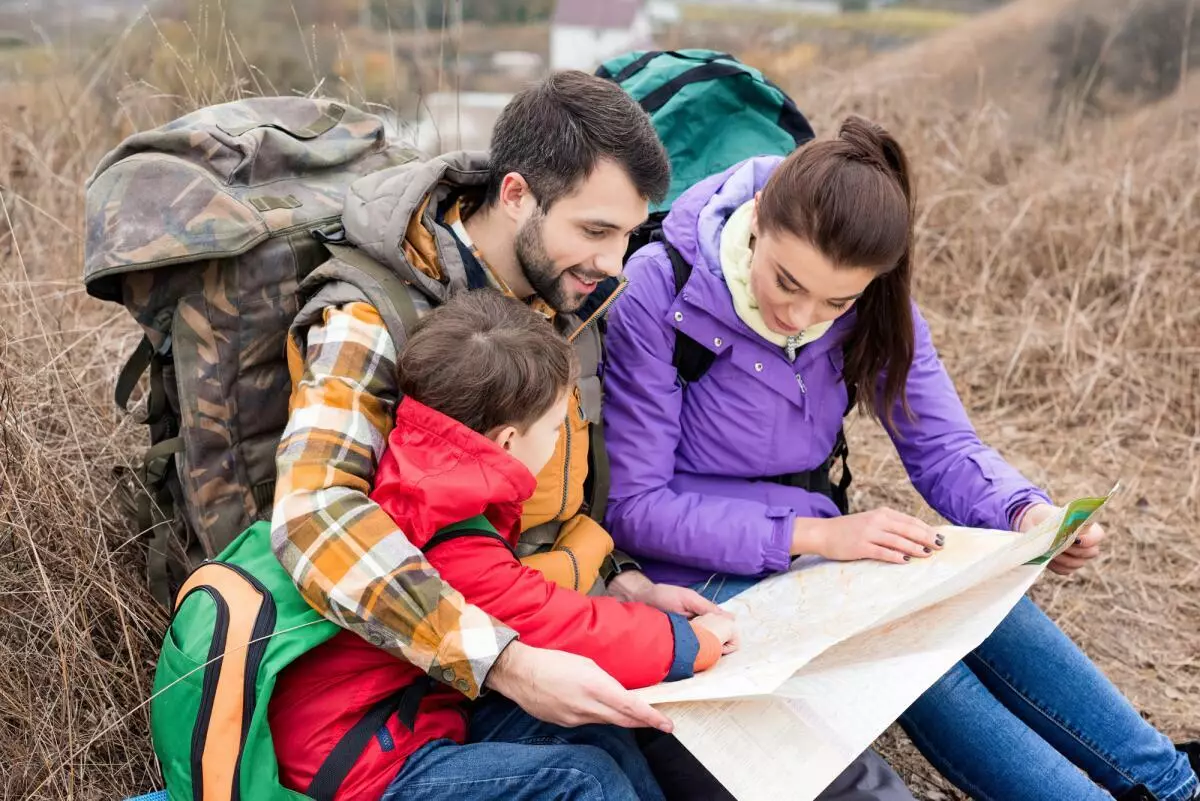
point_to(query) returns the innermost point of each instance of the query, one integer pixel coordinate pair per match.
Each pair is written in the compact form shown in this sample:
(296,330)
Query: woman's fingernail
(940,541)
(907,558)
(928,549)
(1078,541)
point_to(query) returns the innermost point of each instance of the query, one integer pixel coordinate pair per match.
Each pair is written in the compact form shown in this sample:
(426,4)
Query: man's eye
(594,233)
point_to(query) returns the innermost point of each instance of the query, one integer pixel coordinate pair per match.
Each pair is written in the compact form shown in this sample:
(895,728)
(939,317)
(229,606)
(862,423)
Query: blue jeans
(511,756)
(1027,715)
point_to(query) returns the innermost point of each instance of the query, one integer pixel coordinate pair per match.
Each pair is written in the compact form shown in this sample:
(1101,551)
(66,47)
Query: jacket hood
(390,215)
(698,217)
(694,227)
(438,472)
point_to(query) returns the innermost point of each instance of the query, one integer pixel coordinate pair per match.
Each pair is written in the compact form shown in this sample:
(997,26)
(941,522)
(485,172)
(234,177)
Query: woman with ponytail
(799,287)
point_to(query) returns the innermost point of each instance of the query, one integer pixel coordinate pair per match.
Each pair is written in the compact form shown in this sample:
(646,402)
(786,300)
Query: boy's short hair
(487,361)
(554,132)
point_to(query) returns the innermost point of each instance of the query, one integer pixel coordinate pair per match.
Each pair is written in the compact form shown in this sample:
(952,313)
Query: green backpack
(238,622)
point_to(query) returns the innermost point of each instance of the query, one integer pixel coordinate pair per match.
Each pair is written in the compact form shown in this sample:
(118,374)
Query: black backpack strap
(691,359)
(341,760)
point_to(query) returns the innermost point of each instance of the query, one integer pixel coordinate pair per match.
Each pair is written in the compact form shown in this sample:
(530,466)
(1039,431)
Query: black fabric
(680,775)
(476,275)
(709,71)
(691,359)
(792,120)
(337,766)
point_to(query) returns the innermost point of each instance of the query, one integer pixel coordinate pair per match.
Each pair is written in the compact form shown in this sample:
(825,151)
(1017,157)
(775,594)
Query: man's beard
(538,268)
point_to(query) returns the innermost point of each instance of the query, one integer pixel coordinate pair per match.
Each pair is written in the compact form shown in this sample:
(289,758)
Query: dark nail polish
(1078,542)
(940,540)
(907,558)
(928,549)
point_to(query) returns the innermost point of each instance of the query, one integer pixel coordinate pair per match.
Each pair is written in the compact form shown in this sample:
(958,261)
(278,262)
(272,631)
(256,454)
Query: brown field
(1060,277)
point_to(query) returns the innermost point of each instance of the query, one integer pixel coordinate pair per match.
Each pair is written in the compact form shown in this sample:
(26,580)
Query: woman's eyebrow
(790,278)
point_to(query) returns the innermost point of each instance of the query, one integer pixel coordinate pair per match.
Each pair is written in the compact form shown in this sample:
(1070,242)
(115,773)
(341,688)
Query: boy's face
(566,250)
(534,447)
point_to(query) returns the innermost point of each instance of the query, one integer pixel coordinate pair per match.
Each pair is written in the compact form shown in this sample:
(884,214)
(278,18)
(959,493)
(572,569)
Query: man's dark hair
(487,360)
(555,132)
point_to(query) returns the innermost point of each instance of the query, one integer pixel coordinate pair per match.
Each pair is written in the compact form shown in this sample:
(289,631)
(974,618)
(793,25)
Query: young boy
(486,383)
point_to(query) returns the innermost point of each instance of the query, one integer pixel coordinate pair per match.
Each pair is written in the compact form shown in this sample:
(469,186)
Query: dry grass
(1060,280)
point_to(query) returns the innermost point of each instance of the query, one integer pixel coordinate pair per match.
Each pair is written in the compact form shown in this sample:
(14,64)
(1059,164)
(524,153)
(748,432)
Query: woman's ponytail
(852,199)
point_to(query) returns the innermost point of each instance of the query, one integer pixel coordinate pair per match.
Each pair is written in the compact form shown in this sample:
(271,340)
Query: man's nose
(611,260)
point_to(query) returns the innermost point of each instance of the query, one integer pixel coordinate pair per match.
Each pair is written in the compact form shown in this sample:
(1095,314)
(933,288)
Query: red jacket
(436,473)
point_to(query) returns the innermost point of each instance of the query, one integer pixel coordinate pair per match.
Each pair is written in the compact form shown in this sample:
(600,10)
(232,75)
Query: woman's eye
(839,306)
(788,289)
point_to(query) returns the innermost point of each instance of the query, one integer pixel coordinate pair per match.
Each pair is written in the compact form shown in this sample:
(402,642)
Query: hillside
(1058,273)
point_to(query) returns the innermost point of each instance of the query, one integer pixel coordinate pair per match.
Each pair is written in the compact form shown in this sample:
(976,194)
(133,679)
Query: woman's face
(797,287)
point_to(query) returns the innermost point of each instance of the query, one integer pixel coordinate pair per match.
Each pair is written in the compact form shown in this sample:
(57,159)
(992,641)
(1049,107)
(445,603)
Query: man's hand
(1086,546)
(632,585)
(569,690)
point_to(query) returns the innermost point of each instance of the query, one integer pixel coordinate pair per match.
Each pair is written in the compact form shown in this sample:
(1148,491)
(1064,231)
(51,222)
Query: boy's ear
(503,436)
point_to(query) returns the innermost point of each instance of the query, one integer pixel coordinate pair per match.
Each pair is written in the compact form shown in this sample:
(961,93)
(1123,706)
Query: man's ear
(515,196)
(503,436)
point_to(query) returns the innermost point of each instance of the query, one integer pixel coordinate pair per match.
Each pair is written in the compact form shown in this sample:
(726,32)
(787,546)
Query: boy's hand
(569,690)
(632,585)
(723,628)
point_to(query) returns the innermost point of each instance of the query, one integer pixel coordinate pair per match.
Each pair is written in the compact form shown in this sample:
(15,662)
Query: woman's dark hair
(487,360)
(851,198)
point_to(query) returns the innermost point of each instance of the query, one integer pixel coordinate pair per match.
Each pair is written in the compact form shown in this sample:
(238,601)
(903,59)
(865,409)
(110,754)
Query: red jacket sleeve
(636,644)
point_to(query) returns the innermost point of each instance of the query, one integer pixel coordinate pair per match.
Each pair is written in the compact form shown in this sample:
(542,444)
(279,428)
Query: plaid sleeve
(345,554)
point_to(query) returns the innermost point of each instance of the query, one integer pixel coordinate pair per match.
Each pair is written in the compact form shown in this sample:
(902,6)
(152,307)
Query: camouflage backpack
(204,230)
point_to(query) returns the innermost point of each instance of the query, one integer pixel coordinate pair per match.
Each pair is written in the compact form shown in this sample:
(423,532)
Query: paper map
(832,653)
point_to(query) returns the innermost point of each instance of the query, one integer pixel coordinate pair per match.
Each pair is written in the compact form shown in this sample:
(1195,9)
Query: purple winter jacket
(684,497)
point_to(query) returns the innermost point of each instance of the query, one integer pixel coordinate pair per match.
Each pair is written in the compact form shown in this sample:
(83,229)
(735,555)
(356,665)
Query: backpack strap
(691,359)
(639,63)
(403,703)
(478,526)
(387,291)
(245,617)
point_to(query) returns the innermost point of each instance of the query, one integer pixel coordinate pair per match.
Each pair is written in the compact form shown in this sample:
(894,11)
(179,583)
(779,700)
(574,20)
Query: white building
(587,32)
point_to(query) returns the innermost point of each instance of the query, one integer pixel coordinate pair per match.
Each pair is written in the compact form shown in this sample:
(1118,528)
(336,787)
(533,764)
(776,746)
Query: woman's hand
(1087,540)
(883,534)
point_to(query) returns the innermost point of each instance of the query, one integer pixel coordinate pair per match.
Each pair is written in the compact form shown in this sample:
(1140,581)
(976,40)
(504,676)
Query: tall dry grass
(1060,279)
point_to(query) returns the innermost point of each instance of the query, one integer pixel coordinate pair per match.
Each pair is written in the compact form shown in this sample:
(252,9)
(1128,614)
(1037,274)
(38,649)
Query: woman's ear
(503,436)
(754,215)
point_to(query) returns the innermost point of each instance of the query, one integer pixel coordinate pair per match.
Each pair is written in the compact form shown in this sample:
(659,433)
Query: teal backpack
(710,110)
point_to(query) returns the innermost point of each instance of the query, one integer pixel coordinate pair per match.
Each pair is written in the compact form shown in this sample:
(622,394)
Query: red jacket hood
(437,472)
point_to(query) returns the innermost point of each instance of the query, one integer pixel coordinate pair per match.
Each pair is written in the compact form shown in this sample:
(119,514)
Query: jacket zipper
(600,310)
(596,315)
